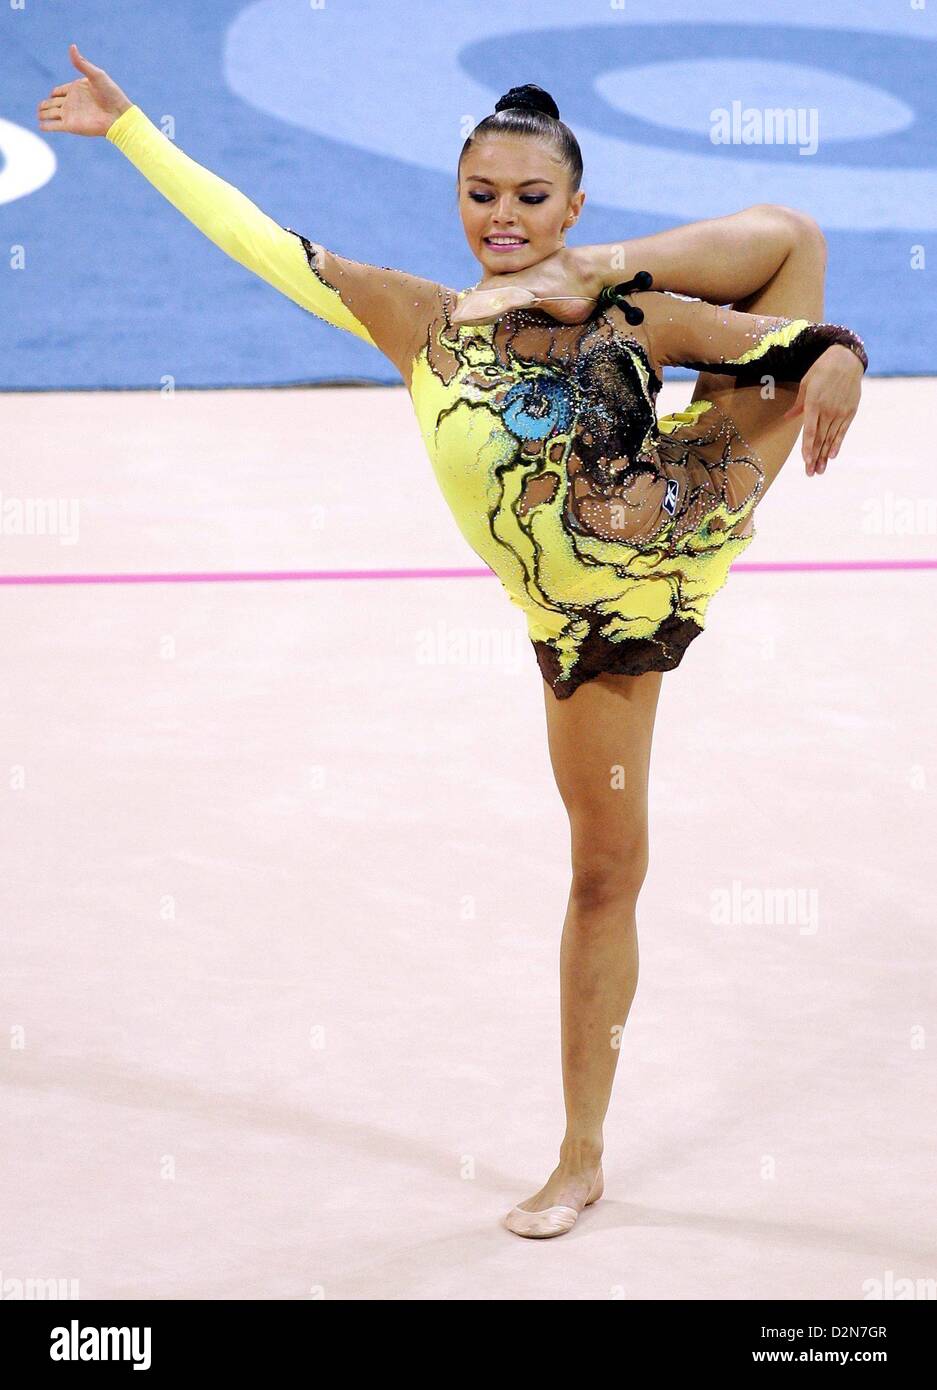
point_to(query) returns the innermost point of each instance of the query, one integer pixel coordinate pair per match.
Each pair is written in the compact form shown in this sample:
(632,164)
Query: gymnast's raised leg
(795,290)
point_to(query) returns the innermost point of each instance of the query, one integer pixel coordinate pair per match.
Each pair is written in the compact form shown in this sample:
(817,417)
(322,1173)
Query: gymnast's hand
(88,106)
(829,398)
(560,285)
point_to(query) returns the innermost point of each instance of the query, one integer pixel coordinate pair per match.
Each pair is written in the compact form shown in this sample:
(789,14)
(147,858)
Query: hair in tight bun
(529,110)
(531,97)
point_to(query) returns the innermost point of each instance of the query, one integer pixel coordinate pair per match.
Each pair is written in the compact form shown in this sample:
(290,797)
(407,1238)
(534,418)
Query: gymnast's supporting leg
(600,746)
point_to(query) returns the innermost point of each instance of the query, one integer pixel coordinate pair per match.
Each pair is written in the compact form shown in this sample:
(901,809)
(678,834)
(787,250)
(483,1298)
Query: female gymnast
(610,528)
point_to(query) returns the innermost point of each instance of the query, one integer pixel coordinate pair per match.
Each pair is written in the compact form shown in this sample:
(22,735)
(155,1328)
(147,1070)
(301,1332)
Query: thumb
(81,63)
(797,407)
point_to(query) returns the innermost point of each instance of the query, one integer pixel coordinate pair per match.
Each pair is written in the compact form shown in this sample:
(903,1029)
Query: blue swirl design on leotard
(537,409)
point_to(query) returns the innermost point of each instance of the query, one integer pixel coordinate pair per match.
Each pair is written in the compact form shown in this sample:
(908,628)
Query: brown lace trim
(597,655)
(790,361)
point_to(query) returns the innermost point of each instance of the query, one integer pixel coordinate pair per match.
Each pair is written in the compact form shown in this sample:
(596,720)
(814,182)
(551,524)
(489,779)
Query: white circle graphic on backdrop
(28,162)
(351,73)
(851,110)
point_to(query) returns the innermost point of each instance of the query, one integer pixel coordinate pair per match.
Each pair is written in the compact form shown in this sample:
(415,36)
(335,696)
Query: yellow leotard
(610,528)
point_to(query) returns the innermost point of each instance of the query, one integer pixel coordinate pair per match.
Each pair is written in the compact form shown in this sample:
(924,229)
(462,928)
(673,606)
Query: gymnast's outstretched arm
(387,308)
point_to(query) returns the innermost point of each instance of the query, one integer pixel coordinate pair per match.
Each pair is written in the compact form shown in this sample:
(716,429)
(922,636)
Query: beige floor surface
(284,870)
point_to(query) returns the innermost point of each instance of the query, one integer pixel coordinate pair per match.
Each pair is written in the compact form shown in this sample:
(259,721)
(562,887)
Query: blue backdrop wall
(344,119)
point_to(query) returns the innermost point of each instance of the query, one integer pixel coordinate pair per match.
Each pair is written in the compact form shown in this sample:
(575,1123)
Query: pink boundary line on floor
(263,576)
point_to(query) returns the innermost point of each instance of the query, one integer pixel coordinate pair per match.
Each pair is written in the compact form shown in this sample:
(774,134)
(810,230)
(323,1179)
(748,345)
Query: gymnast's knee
(805,229)
(601,878)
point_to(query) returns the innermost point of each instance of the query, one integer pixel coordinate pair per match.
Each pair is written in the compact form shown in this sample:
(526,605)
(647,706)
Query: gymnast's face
(515,202)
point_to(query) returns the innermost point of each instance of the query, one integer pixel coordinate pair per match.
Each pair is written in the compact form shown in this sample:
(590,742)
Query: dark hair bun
(531,98)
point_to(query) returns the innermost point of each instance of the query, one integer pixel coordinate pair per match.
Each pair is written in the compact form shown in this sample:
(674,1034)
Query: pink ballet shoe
(508,299)
(552,1221)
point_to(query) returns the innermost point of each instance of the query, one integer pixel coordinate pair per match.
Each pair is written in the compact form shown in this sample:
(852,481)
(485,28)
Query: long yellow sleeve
(229,219)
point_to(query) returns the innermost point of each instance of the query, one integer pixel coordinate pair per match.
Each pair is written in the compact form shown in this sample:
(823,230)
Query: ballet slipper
(552,1221)
(470,310)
